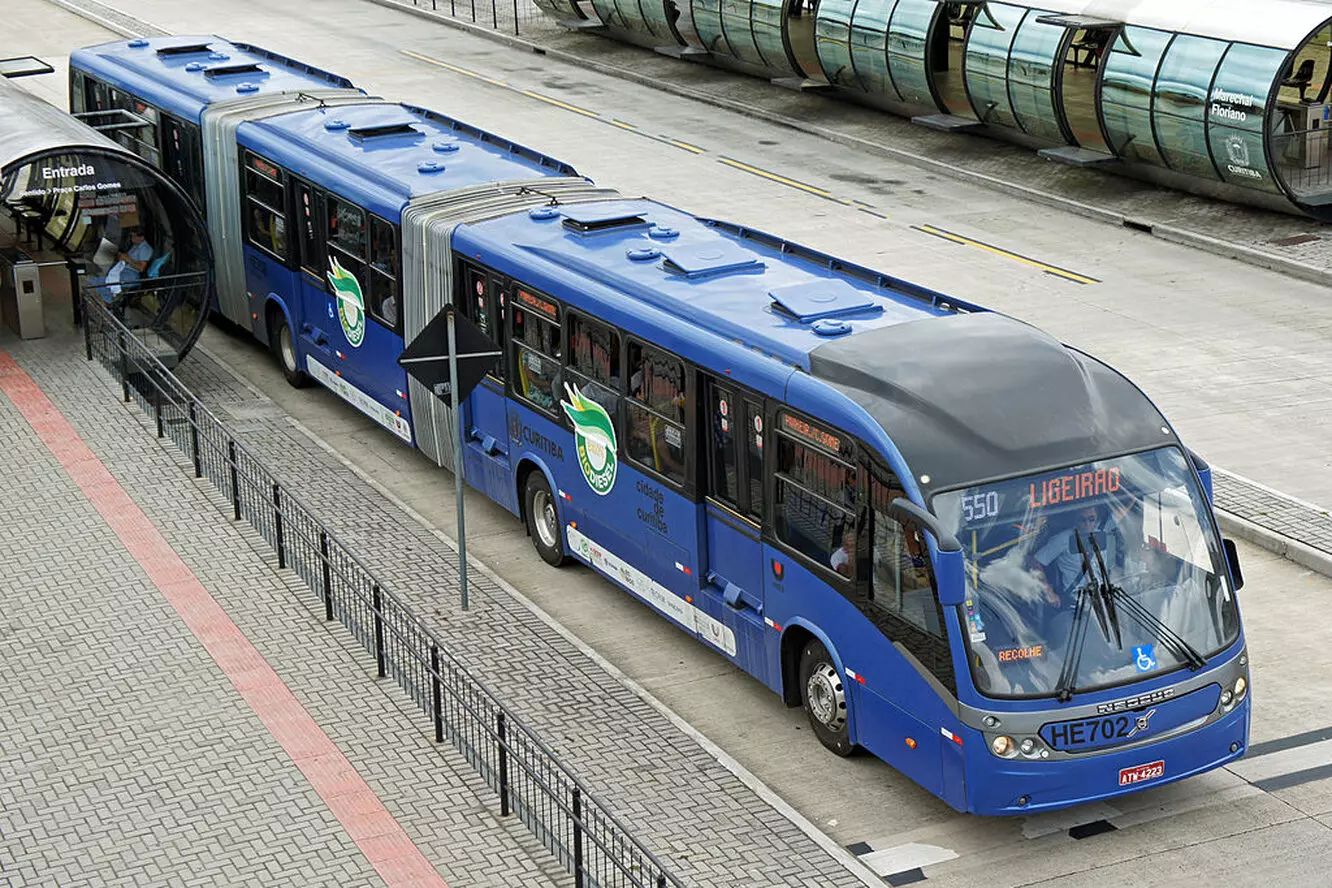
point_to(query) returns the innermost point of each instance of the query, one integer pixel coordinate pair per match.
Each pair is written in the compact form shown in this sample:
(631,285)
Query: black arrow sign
(426,359)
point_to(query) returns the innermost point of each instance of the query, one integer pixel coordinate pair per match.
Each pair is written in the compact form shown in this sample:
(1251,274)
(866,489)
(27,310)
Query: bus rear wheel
(823,693)
(543,520)
(284,349)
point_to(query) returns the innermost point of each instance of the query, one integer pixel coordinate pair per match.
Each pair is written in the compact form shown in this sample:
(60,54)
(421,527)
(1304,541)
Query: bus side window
(309,229)
(482,298)
(594,362)
(656,411)
(814,510)
(78,92)
(384,273)
(723,465)
(265,207)
(182,157)
(346,236)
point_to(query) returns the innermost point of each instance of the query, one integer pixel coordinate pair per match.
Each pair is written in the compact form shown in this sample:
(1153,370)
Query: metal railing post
(277,521)
(328,575)
(578,837)
(515,18)
(75,292)
(194,442)
(377,602)
(124,366)
(157,410)
(87,338)
(235,478)
(501,740)
(435,694)
(661,880)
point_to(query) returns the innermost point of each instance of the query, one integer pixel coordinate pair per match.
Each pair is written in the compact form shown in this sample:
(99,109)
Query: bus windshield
(1128,538)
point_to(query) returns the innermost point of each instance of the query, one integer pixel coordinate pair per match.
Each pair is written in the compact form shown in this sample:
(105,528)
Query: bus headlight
(1241,686)
(1226,699)
(1003,747)
(1027,746)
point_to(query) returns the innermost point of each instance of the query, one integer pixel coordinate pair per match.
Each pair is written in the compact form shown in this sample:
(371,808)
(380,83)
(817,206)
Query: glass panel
(266,229)
(657,18)
(657,379)
(832,41)
(1236,111)
(1181,100)
(707,21)
(594,350)
(815,495)
(869,46)
(769,35)
(346,227)
(560,9)
(724,480)
(312,246)
(1031,72)
(754,448)
(1128,538)
(610,12)
(656,443)
(987,62)
(739,32)
(907,33)
(1126,93)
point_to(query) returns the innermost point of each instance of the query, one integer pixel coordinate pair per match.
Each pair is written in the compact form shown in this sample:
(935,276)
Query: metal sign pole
(457,456)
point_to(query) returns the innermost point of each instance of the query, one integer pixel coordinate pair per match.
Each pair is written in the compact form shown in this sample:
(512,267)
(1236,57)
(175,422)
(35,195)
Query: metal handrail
(569,816)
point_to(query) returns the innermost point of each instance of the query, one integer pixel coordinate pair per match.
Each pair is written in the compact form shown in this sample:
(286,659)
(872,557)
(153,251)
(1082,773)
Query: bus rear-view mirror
(1232,559)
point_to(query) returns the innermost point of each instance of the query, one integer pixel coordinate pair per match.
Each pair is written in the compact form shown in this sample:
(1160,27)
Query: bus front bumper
(997,787)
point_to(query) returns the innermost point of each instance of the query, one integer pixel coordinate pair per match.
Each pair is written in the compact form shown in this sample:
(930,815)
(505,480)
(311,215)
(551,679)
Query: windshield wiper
(1167,636)
(1077,634)
(1108,594)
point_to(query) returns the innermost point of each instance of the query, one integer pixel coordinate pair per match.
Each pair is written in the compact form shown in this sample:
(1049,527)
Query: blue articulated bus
(980,554)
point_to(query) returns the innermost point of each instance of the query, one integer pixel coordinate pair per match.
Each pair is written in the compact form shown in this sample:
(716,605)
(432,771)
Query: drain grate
(1095,828)
(1294,240)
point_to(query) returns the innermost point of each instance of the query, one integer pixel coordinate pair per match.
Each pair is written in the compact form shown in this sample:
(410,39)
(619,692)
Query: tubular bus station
(84,211)
(1228,99)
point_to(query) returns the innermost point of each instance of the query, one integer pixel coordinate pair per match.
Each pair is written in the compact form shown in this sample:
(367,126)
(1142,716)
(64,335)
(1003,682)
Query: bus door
(264,221)
(314,315)
(732,556)
(482,298)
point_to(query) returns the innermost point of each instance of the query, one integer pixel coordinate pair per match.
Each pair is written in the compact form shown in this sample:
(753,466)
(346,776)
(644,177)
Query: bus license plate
(1141,773)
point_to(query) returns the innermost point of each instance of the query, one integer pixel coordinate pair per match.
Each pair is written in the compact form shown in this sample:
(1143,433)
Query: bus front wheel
(823,693)
(543,520)
(284,349)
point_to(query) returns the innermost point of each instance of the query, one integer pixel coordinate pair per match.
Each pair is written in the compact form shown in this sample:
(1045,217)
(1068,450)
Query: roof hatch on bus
(810,301)
(702,260)
(587,218)
(183,49)
(233,70)
(382,131)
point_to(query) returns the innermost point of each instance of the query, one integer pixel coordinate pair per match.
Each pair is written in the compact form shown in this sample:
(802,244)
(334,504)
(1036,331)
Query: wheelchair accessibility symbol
(1144,657)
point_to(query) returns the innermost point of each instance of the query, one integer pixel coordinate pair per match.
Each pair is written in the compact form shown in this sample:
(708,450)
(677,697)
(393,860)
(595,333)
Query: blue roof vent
(824,298)
(245,88)
(602,216)
(195,66)
(643,254)
(218,56)
(543,214)
(431,166)
(336,125)
(661,232)
(830,327)
(446,147)
(137,43)
(702,260)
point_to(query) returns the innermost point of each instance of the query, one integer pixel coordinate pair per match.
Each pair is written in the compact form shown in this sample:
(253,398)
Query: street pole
(457,456)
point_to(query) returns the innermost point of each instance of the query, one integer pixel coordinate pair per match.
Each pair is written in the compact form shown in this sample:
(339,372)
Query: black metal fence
(531,782)
(498,15)
(1303,160)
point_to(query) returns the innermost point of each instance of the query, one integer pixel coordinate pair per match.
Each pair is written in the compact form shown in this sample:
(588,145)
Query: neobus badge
(1136,702)
(1068,488)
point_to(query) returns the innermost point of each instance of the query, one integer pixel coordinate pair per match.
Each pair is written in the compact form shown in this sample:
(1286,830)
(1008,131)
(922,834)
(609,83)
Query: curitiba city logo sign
(595,439)
(351,304)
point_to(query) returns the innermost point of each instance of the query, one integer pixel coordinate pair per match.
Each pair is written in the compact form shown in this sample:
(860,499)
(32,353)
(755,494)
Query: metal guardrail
(531,782)
(498,15)
(1304,161)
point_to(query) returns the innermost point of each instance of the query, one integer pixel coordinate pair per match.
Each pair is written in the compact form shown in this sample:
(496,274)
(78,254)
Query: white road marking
(905,857)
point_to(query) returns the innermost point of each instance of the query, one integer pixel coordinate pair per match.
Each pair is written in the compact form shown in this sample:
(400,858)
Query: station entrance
(82,214)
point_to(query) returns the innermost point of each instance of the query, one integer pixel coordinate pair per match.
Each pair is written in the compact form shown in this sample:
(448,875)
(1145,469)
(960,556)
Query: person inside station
(129,267)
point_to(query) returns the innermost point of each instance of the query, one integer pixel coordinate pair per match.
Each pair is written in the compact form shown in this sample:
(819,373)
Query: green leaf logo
(351,304)
(594,435)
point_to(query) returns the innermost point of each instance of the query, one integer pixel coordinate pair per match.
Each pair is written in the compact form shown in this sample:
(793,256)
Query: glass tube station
(1228,98)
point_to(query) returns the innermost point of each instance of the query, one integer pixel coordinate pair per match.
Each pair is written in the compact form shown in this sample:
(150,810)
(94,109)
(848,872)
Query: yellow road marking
(774,177)
(558,104)
(626,126)
(1008,254)
(454,68)
(686,146)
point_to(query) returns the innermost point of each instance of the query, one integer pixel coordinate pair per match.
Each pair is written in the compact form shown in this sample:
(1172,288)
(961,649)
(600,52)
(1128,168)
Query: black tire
(823,695)
(284,350)
(543,520)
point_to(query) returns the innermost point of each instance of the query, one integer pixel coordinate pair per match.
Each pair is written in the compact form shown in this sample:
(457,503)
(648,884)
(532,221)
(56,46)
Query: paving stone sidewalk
(126,755)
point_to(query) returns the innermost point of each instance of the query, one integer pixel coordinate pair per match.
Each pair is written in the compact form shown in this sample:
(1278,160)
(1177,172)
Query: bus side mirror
(949,568)
(1204,473)
(1232,559)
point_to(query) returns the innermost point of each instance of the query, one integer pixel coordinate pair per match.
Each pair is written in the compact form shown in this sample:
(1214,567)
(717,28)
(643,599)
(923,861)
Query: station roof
(1284,24)
(203,69)
(393,152)
(765,293)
